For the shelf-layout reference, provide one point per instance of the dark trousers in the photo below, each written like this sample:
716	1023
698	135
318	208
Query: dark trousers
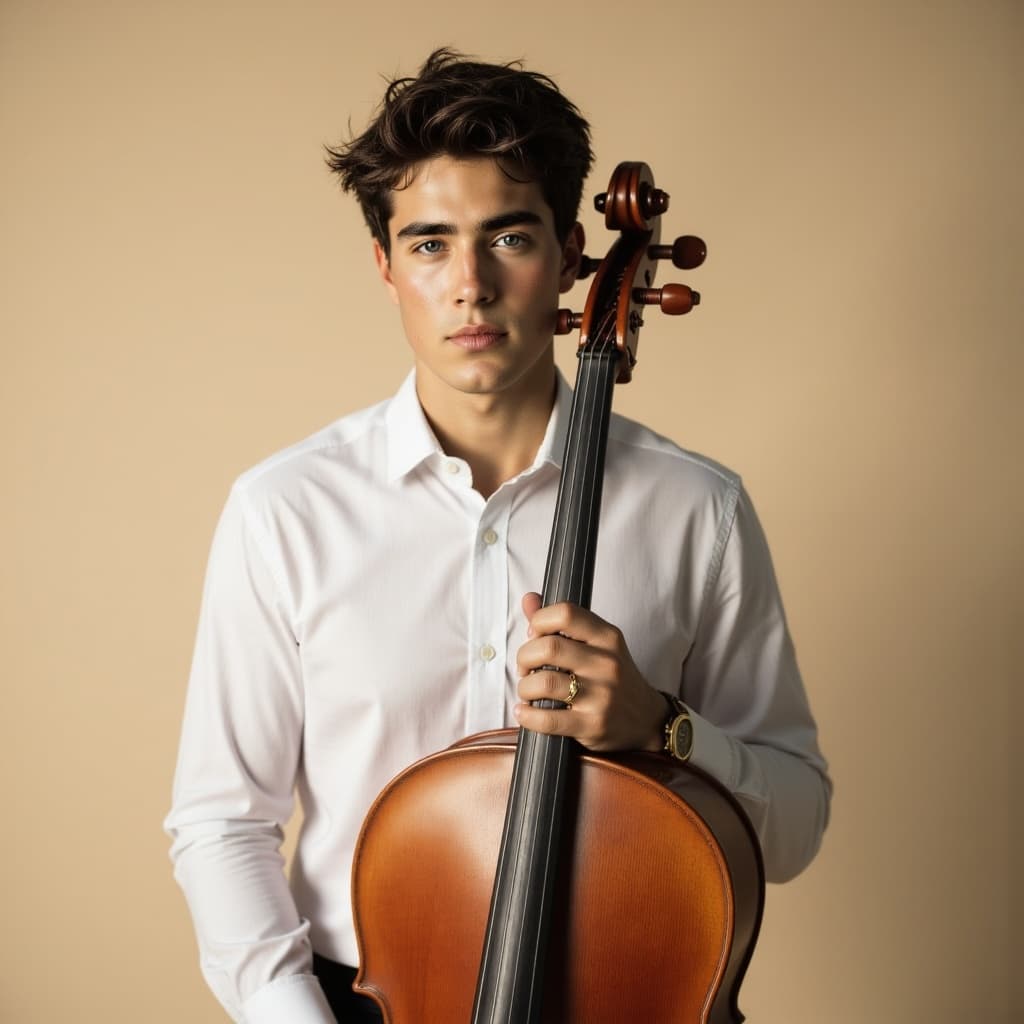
336	981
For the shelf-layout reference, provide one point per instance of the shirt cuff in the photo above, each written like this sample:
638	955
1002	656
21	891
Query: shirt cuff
295	998
713	751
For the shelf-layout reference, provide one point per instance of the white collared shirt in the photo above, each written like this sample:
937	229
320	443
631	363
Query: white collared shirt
361	610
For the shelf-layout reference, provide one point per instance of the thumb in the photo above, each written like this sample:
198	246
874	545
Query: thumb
531	603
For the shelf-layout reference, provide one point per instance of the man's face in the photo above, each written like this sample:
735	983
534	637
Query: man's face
476	271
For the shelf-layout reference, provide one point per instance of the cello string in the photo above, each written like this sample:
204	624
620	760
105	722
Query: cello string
549	754
588	456
580	452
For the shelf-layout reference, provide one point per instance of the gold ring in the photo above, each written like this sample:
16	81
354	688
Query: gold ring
574	689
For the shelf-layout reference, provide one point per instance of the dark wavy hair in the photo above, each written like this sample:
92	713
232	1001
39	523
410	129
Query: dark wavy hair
463	108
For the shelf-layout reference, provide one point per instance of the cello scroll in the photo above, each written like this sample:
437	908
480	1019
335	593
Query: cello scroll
632	205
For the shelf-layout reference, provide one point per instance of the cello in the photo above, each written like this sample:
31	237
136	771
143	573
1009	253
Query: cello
517	879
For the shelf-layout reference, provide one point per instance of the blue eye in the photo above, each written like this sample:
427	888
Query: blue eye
430	246
510	241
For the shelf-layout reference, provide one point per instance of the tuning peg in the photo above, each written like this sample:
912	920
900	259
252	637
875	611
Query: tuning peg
566	321
686	252
587	266
653	202
673	299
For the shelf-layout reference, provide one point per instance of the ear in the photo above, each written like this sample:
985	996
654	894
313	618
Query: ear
572	255
384	269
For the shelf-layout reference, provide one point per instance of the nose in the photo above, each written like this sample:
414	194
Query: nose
475	281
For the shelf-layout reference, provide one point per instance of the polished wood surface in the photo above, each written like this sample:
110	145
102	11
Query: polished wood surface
657	899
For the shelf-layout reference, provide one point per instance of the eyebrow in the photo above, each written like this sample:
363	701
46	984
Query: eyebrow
418	228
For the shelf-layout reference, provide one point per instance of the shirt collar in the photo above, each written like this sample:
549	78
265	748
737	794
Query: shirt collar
410	439
552	448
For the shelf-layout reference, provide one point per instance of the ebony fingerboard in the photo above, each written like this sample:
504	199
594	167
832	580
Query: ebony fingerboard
511	981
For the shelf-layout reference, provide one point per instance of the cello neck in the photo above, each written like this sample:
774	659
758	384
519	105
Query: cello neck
569	573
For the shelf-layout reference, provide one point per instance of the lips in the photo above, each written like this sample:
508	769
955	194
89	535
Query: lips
474	337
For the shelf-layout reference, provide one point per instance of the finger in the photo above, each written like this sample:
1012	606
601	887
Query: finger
531	603
559	652
549	685
572	621
549	721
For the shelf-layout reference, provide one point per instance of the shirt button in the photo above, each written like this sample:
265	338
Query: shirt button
452	467
490	536
487	652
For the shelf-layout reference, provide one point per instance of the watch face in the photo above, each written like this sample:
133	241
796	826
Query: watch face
682	737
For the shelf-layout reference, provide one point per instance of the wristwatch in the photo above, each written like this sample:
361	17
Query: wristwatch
678	728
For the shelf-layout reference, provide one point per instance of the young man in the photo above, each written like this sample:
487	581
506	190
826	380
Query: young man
371	598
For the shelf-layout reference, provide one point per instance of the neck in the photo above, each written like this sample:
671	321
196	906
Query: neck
498	435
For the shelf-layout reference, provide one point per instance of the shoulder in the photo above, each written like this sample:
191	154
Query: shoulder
663	463
353	442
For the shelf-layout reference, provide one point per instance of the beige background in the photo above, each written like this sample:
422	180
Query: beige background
184	291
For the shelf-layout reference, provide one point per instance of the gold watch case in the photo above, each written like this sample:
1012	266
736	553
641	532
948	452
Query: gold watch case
679	734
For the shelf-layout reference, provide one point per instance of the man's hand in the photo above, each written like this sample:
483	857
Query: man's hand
615	709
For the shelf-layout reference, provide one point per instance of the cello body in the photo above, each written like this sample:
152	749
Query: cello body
657	902
515	878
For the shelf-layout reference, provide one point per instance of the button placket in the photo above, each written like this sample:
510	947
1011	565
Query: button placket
488	617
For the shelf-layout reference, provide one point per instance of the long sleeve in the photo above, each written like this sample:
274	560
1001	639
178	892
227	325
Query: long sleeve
234	784
753	729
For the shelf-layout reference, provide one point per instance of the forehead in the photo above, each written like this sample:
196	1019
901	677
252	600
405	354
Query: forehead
464	193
